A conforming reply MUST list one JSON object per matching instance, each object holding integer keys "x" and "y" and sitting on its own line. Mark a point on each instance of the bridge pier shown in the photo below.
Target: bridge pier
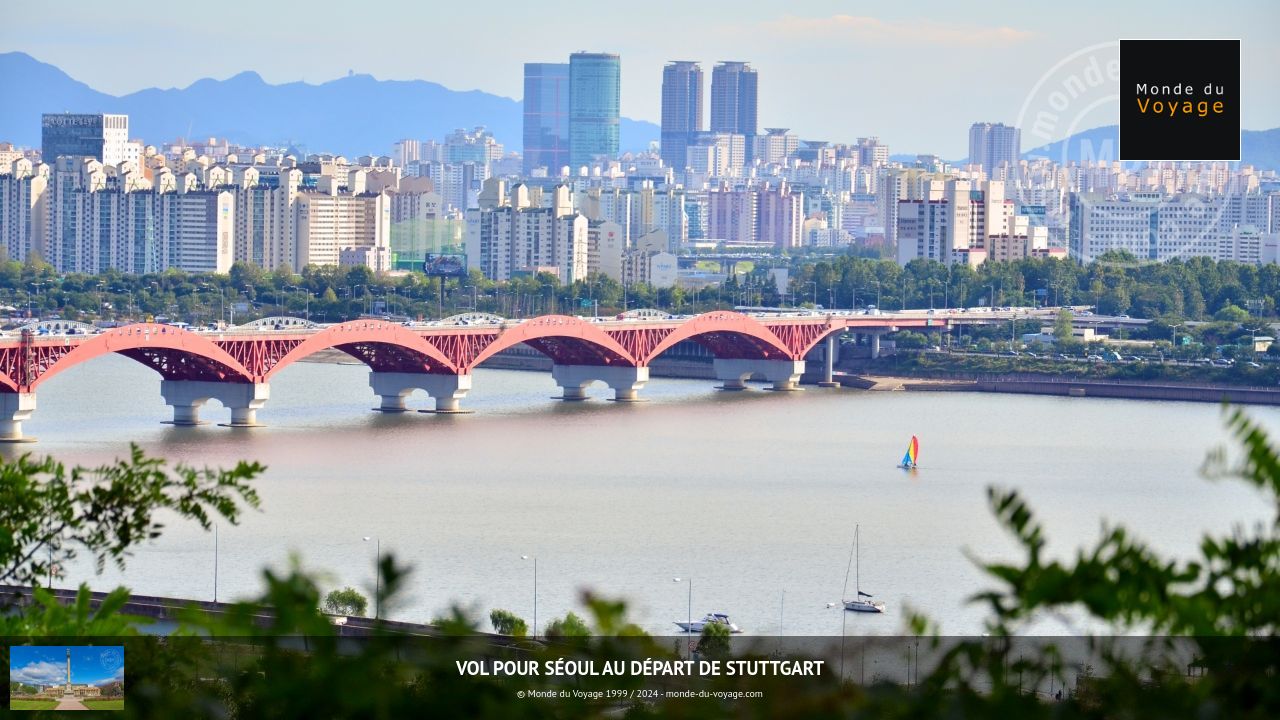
{"x": 14, "y": 409}
{"x": 188, "y": 396}
{"x": 829, "y": 362}
{"x": 626, "y": 381}
{"x": 875, "y": 345}
{"x": 394, "y": 388}
{"x": 734, "y": 372}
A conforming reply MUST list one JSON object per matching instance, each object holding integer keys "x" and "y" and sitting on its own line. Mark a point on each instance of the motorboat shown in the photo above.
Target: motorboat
{"x": 709, "y": 619}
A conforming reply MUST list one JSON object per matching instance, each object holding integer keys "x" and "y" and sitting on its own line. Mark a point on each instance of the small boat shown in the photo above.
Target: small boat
{"x": 858, "y": 603}
{"x": 913, "y": 452}
{"x": 708, "y": 619}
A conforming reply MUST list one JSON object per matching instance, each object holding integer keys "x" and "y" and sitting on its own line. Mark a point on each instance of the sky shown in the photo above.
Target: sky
{"x": 47, "y": 664}
{"x": 915, "y": 74}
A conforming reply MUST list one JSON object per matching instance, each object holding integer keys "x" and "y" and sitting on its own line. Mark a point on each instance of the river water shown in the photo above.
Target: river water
{"x": 753, "y": 495}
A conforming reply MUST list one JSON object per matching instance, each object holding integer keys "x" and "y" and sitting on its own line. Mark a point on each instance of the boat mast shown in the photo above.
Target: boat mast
{"x": 857, "y": 578}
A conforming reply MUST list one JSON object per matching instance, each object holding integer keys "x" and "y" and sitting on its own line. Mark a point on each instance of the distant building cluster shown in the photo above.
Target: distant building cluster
{"x": 572, "y": 204}
{"x": 150, "y": 210}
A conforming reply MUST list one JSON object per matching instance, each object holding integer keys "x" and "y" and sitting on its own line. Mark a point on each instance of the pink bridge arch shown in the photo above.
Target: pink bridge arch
{"x": 175, "y": 353}
{"x": 566, "y": 340}
{"x": 383, "y": 346}
{"x": 727, "y": 335}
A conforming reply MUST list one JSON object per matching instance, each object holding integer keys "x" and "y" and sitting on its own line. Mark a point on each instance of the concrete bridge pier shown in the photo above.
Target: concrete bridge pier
{"x": 875, "y": 345}
{"x": 734, "y": 373}
{"x": 14, "y": 409}
{"x": 626, "y": 381}
{"x": 829, "y": 362}
{"x": 188, "y": 396}
{"x": 394, "y": 388}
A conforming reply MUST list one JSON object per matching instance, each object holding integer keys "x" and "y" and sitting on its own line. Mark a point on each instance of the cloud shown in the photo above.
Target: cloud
{"x": 40, "y": 673}
{"x": 870, "y": 30}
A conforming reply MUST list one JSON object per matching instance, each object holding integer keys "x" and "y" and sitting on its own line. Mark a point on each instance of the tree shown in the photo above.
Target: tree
{"x": 506, "y": 622}
{"x": 49, "y": 514}
{"x": 347, "y": 601}
{"x": 571, "y": 626}
{"x": 1232, "y": 313}
{"x": 1063, "y": 325}
{"x": 714, "y": 641}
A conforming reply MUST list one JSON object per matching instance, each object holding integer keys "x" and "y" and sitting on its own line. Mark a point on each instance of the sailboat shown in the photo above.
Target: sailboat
{"x": 858, "y": 603}
{"x": 913, "y": 452}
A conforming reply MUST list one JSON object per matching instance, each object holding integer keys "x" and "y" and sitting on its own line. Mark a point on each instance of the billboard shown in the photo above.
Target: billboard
{"x": 445, "y": 265}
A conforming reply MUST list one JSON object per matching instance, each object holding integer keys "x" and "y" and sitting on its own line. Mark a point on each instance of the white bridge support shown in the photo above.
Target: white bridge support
{"x": 626, "y": 381}
{"x": 875, "y": 345}
{"x": 829, "y": 362}
{"x": 784, "y": 374}
{"x": 14, "y": 408}
{"x": 187, "y": 396}
{"x": 394, "y": 388}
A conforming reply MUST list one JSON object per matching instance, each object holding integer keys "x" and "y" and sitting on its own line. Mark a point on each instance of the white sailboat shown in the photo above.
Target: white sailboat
{"x": 861, "y": 601}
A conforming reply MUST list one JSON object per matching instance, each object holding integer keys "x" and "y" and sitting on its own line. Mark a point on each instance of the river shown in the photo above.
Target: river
{"x": 753, "y": 495}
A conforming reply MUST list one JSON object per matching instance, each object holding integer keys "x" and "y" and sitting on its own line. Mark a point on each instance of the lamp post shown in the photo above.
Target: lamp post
{"x": 689, "y": 626}
{"x": 377, "y": 587}
{"x": 534, "y": 558}
{"x": 215, "y": 562}
{"x": 815, "y": 293}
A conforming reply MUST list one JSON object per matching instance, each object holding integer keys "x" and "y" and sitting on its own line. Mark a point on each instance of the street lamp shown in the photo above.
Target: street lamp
{"x": 535, "y": 592}
{"x": 377, "y": 588}
{"x": 688, "y": 628}
{"x": 815, "y": 293}
{"x": 215, "y": 562}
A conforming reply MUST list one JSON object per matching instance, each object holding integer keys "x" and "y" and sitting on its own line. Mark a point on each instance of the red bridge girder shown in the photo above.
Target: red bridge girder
{"x": 255, "y": 356}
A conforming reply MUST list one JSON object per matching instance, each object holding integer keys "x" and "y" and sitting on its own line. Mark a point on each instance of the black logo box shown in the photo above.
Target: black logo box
{"x": 1186, "y": 65}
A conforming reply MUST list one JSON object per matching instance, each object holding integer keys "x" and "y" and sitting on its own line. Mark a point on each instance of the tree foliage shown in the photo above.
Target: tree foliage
{"x": 347, "y": 601}
{"x": 506, "y": 622}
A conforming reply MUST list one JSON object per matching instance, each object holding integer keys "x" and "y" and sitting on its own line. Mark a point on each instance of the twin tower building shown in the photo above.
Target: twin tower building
{"x": 572, "y": 113}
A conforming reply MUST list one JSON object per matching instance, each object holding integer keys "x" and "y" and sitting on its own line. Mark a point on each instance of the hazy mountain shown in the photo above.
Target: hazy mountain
{"x": 1259, "y": 148}
{"x": 353, "y": 115}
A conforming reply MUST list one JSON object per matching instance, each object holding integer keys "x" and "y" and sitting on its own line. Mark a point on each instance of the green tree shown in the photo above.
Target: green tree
{"x": 347, "y": 601}
{"x": 1232, "y": 314}
{"x": 506, "y": 622}
{"x": 570, "y": 626}
{"x": 714, "y": 641}
{"x": 49, "y": 515}
{"x": 1063, "y": 325}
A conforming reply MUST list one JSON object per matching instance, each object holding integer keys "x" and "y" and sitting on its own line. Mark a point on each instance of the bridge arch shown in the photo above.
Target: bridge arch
{"x": 566, "y": 340}
{"x": 382, "y": 345}
{"x": 175, "y": 353}
{"x": 728, "y": 335}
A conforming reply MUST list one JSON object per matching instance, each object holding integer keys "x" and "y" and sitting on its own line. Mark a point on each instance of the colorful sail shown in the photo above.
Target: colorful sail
{"x": 913, "y": 452}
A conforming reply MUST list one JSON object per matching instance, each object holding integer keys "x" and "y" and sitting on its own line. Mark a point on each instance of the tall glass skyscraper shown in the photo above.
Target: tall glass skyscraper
{"x": 595, "y": 82}
{"x": 681, "y": 110}
{"x": 734, "y": 101}
{"x": 546, "y": 116}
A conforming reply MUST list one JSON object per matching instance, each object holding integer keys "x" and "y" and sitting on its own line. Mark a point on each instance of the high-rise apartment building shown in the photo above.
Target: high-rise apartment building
{"x": 1159, "y": 226}
{"x": 508, "y": 233}
{"x": 595, "y": 82}
{"x": 681, "y": 110}
{"x": 22, "y": 210}
{"x": 994, "y": 145}
{"x": 546, "y": 117}
{"x": 734, "y": 102}
{"x": 104, "y": 138}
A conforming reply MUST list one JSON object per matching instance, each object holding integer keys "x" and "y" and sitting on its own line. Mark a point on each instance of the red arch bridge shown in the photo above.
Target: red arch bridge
{"x": 235, "y": 365}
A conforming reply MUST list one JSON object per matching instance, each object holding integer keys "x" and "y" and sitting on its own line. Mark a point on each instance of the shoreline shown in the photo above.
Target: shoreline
{"x": 1022, "y": 384}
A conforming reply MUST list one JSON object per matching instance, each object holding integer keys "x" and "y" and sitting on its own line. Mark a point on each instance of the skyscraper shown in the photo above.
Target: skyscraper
{"x": 734, "y": 88}
{"x": 595, "y": 81}
{"x": 681, "y": 110}
{"x": 101, "y": 137}
{"x": 546, "y": 116}
{"x": 991, "y": 145}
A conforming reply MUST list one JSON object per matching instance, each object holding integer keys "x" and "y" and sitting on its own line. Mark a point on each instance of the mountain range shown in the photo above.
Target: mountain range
{"x": 353, "y": 115}
{"x": 1259, "y": 148}
{"x": 346, "y": 115}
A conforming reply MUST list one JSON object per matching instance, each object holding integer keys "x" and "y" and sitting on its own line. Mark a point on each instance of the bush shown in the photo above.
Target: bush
{"x": 506, "y": 622}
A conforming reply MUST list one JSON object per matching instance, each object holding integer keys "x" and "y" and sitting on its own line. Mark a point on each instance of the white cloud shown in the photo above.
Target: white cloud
{"x": 40, "y": 673}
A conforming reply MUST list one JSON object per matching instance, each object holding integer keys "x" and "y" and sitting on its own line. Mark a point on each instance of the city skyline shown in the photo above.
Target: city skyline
{"x": 815, "y": 61}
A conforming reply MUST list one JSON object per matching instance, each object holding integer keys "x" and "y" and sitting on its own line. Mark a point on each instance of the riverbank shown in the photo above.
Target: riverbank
{"x": 895, "y": 376}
